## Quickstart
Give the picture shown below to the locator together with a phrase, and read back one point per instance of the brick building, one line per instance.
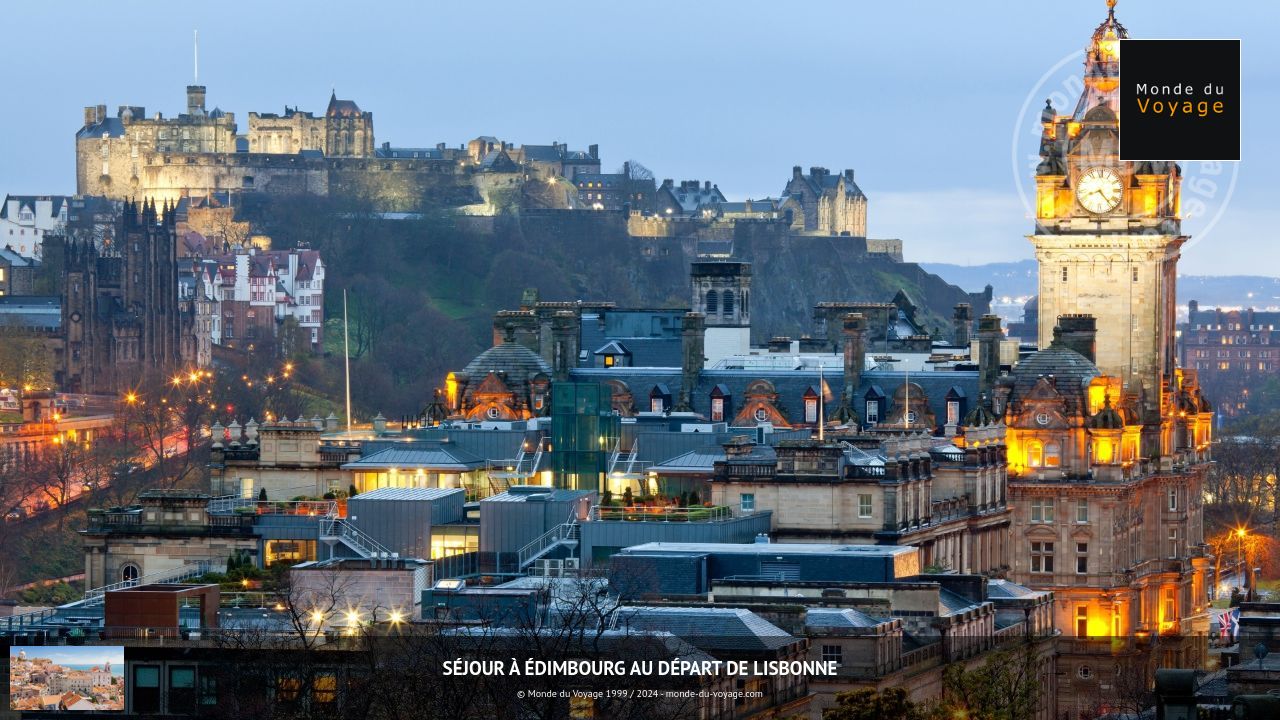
(1232, 351)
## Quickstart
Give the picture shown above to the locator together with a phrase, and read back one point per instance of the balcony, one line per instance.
(665, 513)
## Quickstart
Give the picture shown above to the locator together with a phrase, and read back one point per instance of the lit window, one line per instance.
(1035, 454)
(1082, 621)
(953, 412)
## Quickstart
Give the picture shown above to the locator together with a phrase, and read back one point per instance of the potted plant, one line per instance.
(75, 636)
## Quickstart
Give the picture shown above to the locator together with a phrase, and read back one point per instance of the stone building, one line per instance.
(120, 306)
(26, 219)
(1108, 440)
(825, 204)
(17, 273)
(1231, 351)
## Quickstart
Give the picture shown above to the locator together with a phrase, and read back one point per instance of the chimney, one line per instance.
(693, 357)
(796, 172)
(1192, 307)
(101, 111)
(594, 151)
(1079, 333)
(854, 330)
(379, 424)
(848, 175)
(565, 325)
(90, 116)
(817, 172)
(707, 186)
(960, 322)
(989, 336)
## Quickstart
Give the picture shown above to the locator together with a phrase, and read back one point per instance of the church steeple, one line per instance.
(1102, 65)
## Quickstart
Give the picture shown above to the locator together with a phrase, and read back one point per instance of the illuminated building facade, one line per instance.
(1108, 440)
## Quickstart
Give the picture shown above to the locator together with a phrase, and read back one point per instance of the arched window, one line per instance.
(129, 572)
(712, 301)
(728, 302)
(1035, 454)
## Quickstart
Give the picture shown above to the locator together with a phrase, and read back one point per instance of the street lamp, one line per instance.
(1240, 556)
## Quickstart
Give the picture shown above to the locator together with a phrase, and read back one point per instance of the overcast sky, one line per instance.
(920, 98)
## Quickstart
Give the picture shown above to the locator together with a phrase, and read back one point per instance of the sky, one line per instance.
(86, 655)
(922, 99)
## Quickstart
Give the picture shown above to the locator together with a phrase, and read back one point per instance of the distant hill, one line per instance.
(1019, 279)
(423, 290)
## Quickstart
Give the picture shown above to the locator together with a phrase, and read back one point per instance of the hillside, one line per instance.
(423, 290)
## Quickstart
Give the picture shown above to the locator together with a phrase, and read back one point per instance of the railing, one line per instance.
(335, 527)
(186, 572)
(230, 504)
(920, 655)
(565, 531)
(662, 513)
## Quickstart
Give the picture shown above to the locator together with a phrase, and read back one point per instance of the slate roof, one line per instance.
(1071, 372)
(112, 126)
(426, 455)
(1003, 589)
(31, 311)
(541, 153)
(341, 108)
(702, 460)
(708, 629)
(396, 152)
(13, 259)
(953, 603)
(839, 617)
(789, 384)
(29, 201)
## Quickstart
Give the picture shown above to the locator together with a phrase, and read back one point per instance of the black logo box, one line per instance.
(1186, 68)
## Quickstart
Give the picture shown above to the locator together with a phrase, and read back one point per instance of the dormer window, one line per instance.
(873, 412)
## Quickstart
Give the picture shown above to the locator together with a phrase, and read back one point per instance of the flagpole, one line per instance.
(822, 390)
(346, 355)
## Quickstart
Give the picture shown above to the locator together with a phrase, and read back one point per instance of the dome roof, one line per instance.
(1071, 373)
(515, 363)
(1107, 418)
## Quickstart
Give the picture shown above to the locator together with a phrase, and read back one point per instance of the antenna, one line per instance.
(196, 55)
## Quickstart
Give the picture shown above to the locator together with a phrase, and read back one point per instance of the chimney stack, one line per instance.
(693, 357)
(989, 336)
(564, 339)
(1079, 333)
(960, 322)
(854, 330)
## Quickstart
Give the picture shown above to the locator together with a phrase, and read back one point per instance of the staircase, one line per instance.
(94, 596)
(564, 535)
(524, 466)
(334, 530)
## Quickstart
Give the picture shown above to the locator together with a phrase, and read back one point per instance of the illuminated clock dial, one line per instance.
(1099, 190)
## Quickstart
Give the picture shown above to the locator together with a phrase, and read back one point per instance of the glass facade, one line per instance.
(584, 434)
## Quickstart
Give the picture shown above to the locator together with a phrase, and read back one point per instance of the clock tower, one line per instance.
(1108, 232)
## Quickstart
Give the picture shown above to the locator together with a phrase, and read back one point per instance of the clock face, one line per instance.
(1099, 190)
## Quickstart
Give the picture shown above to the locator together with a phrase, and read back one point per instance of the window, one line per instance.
(325, 689)
(1174, 549)
(182, 689)
(1064, 274)
(712, 301)
(1135, 274)
(1082, 511)
(811, 409)
(873, 412)
(748, 502)
(1082, 621)
(608, 361)
(717, 409)
(1035, 454)
(1041, 557)
(953, 412)
(129, 572)
(1052, 455)
(655, 404)
(864, 505)
(1173, 498)
(146, 688)
(1082, 558)
(1170, 605)
(1085, 672)
(761, 414)
(833, 653)
(1042, 511)
(726, 302)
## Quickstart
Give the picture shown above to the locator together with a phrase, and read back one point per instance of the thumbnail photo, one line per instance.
(66, 678)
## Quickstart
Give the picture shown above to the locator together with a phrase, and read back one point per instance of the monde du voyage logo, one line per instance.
(1180, 100)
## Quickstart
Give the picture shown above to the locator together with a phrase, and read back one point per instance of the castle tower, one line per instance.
(1108, 233)
(722, 293)
(195, 100)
